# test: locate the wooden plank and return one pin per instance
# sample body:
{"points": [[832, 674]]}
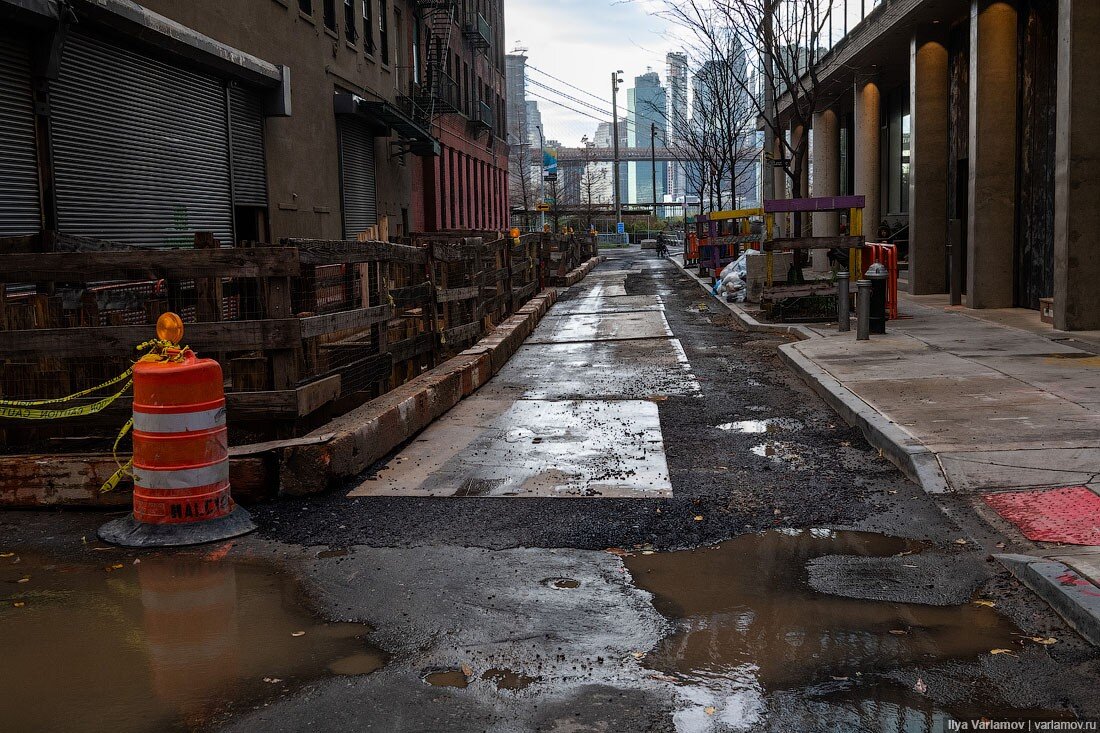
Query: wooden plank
{"points": [[409, 348], [777, 292], [208, 290], [278, 303], [279, 333], [822, 203], [449, 296], [459, 334], [813, 243], [149, 264], [411, 295], [525, 292], [283, 404], [340, 252], [345, 321], [737, 214], [315, 395], [26, 243]]}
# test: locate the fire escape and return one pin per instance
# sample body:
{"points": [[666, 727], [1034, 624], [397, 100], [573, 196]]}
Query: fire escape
{"points": [[435, 92]]}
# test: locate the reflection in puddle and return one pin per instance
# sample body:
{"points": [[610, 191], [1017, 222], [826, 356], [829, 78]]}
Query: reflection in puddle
{"points": [[747, 625], [769, 425], [779, 451], [562, 583], [164, 643]]}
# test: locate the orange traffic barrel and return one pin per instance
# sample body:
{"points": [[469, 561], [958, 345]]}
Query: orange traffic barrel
{"points": [[181, 458]]}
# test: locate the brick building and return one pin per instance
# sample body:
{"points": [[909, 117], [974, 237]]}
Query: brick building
{"points": [[255, 119]]}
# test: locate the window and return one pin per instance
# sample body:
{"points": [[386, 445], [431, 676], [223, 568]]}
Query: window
{"points": [[368, 28], [349, 21], [416, 49], [306, 6], [330, 14], [383, 32]]}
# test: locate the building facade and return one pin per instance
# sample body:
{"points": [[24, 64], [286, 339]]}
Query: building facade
{"points": [[677, 115], [971, 124], [254, 120]]}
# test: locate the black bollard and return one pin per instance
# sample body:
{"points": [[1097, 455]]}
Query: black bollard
{"points": [[878, 274]]}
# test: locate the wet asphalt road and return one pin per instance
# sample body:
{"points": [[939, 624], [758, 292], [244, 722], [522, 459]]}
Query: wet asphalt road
{"points": [[790, 626]]}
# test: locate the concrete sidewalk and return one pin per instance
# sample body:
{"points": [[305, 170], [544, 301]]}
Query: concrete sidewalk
{"points": [[993, 408]]}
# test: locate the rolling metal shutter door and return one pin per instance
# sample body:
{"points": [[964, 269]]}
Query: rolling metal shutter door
{"points": [[141, 148], [247, 127], [357, 176], [20, 211]]}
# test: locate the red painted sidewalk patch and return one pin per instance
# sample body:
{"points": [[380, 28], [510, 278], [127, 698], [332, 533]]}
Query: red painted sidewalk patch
{"points": [[1070, 515]]}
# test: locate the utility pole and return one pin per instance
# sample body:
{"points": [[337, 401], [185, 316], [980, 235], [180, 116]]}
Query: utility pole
{"points": [[615, 81], [542, 178], [768, 177], [653, 164]]}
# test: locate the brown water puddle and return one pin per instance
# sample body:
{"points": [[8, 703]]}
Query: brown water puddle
{"points": [[169, 643], [747, 625]]}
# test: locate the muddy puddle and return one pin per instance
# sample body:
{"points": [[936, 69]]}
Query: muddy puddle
{"points": [[170, 643], [748, 630]]}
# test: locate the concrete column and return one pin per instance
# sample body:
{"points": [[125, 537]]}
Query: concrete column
{"points": [[991, 231], [928, 105], [866, 154], [1076, 184], [826, 167]]}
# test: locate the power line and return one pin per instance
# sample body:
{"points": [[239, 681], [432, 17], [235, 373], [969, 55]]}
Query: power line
{"points": [[570, 98], [571, 86]]}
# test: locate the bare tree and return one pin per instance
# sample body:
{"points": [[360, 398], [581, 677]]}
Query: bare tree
{"points": [[519, 179], [782, 40], [595, 189]]}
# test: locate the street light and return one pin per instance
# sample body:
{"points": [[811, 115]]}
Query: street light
{"points": [[616, 80], [542, 178]]}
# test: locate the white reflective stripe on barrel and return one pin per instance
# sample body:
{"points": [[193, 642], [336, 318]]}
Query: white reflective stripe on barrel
{"points": [[184, 478], [179, 422]]}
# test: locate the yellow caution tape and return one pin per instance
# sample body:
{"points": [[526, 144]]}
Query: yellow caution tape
{"points": [[123, 469], [30, 413], [55, 400]]}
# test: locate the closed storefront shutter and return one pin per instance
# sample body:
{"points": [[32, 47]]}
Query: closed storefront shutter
{"points": [[20, 212], [141, 147], [357, 176], [247, 127]]}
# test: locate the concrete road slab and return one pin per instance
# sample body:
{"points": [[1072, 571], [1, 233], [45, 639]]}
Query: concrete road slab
{"points": [[599, 304], [612, 370], [1007, 469], [534, 448], [601, 327]]}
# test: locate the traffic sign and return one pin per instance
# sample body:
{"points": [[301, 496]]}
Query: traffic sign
{"points": [[543, 207], [620, 228]]}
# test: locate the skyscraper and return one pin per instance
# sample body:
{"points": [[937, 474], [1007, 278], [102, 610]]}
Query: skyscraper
{"points": [[676, 116], [646, 104]]}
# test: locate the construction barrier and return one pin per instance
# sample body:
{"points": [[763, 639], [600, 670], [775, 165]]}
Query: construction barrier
{"points": [[181, 455]]}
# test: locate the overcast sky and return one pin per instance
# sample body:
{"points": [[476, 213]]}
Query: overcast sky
{"points": [[582, 42]]}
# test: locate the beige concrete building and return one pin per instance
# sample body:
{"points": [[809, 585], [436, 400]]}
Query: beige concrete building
{"points": [[971, 122]]}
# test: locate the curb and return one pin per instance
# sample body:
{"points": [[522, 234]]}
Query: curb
{"points": [[918, 463], [1075, 598]]}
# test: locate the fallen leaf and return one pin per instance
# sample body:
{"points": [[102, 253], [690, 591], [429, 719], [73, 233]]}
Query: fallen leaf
{"points": [[7, 554], [1002, 651], [647, 552], [920, 686], [26, 579], [899, 632], [1044, 640], [272, 680], [618, 551], [467, 670], [698, 517], [637, 655], [960, 542], [709, 710], [297, 633], [984, 602], [18, 604]]}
